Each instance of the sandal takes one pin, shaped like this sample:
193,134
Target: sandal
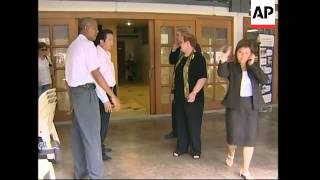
229,160
246,175
176,154
196,156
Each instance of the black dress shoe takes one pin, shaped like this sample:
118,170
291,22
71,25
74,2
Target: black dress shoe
107,149
170,135
105,157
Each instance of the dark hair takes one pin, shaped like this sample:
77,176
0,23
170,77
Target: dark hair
243,43
83,22
198,48
102,35
42,45
189,37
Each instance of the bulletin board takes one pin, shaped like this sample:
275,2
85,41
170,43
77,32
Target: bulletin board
266,55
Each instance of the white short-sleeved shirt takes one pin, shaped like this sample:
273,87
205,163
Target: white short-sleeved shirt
245,87
107,71
44,76
81,60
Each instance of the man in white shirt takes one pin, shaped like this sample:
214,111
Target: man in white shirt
82,72
104,43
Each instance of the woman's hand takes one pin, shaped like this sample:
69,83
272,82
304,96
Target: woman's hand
191,97
176,45
251,59
225,53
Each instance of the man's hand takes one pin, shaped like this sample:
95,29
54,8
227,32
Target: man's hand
116,102
107,107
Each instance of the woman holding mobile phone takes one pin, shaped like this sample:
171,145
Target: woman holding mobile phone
242,101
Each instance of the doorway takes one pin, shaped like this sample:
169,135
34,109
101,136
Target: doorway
131,58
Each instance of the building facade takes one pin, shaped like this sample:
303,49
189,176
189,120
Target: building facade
154,25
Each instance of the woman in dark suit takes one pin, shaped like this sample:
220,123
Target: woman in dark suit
190,77
242,101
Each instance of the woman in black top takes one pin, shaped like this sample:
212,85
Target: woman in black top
173,59
242,101
190,77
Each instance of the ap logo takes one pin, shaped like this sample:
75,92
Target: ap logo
263,13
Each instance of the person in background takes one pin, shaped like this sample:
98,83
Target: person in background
45,70
104,43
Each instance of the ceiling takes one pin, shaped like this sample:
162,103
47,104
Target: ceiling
122,22
223,3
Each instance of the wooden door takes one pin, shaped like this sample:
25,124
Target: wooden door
58,34
212,35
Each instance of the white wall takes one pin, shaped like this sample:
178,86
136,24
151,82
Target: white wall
53,5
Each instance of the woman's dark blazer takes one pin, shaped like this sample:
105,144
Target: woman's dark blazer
232,71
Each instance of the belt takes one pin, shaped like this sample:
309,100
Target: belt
88,85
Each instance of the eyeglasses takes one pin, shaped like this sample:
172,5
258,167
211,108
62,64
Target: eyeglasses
45,49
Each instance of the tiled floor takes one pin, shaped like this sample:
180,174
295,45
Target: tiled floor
134,98
140,151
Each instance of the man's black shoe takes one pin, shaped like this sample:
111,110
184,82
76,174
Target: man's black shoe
105,157
106,149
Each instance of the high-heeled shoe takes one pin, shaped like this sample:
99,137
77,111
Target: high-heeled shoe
177,153
196,156
246,175
229,160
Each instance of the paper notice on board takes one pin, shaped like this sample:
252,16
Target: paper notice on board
267,98
265,89
263,61
164,38
266,40
269,52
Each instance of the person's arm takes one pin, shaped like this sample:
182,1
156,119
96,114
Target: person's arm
223,67
102,95
256,71
202,78
93,66
174,55
104,85
199,85
104,99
